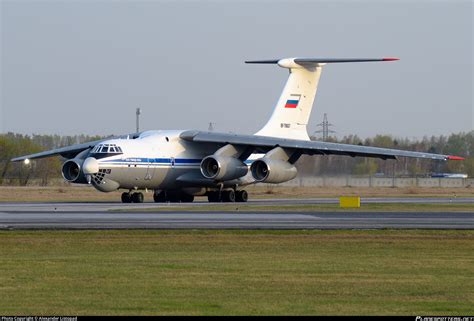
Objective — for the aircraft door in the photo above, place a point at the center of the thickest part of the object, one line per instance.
(150, 171)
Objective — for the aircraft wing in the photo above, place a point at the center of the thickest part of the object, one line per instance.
(263, 144)
(67, 152)
(73, 150)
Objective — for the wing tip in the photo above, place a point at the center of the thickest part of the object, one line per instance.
(271, 61)
(450, 157)
(390, 59)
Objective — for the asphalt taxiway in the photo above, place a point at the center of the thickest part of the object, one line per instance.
(102, 216)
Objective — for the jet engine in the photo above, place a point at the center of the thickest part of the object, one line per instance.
(223, 168)
(267, 170)
(71, 171)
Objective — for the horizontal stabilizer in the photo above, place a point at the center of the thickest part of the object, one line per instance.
(302, 61)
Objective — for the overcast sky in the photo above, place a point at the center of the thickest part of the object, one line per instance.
(84, 66)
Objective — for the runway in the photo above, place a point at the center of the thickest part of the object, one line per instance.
(99, 216)
(246, 220)
(105, 206)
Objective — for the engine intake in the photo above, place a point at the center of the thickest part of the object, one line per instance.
(267, 170)
(223, 168)
(71, 171)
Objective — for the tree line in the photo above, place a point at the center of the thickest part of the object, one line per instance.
(48, 170)
(43, 171)
(458, 144)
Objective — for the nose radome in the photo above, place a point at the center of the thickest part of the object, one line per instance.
(90, 166)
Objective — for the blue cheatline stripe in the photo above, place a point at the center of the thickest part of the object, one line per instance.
(184, 160)
(292, 101)
(155, 160)
(159, 161)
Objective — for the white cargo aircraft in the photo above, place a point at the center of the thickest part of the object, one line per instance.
(181, 164)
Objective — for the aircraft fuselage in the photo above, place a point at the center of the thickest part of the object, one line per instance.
(155, 161)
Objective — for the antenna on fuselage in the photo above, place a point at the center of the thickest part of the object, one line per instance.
(138, 112)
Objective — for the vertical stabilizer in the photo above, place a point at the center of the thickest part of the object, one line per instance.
(291, 114)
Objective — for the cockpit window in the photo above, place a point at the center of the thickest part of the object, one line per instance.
(109, 149)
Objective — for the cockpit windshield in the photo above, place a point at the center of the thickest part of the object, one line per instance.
(107, 149)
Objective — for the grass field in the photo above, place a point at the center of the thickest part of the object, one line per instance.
(89, 194)
(237, 272)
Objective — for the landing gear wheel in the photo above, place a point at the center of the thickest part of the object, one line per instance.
(241, 196)
(137, 198)
(159, 197)
(228, 196)
(126, 198)
(173, 197)
(213, 197)
(186, 198)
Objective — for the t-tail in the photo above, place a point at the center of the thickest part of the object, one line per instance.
(291, 114)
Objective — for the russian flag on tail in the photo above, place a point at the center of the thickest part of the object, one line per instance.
(293, 101)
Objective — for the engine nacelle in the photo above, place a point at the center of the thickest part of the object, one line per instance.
(267, 170)
(223, 168)
(71, 171)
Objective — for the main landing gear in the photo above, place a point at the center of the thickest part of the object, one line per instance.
(132, 197)
(228, 196)
(172, 196)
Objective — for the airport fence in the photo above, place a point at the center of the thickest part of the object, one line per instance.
(322, 181)
(357, 181)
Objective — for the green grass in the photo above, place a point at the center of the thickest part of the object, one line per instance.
(233, 207)
(237, 272)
